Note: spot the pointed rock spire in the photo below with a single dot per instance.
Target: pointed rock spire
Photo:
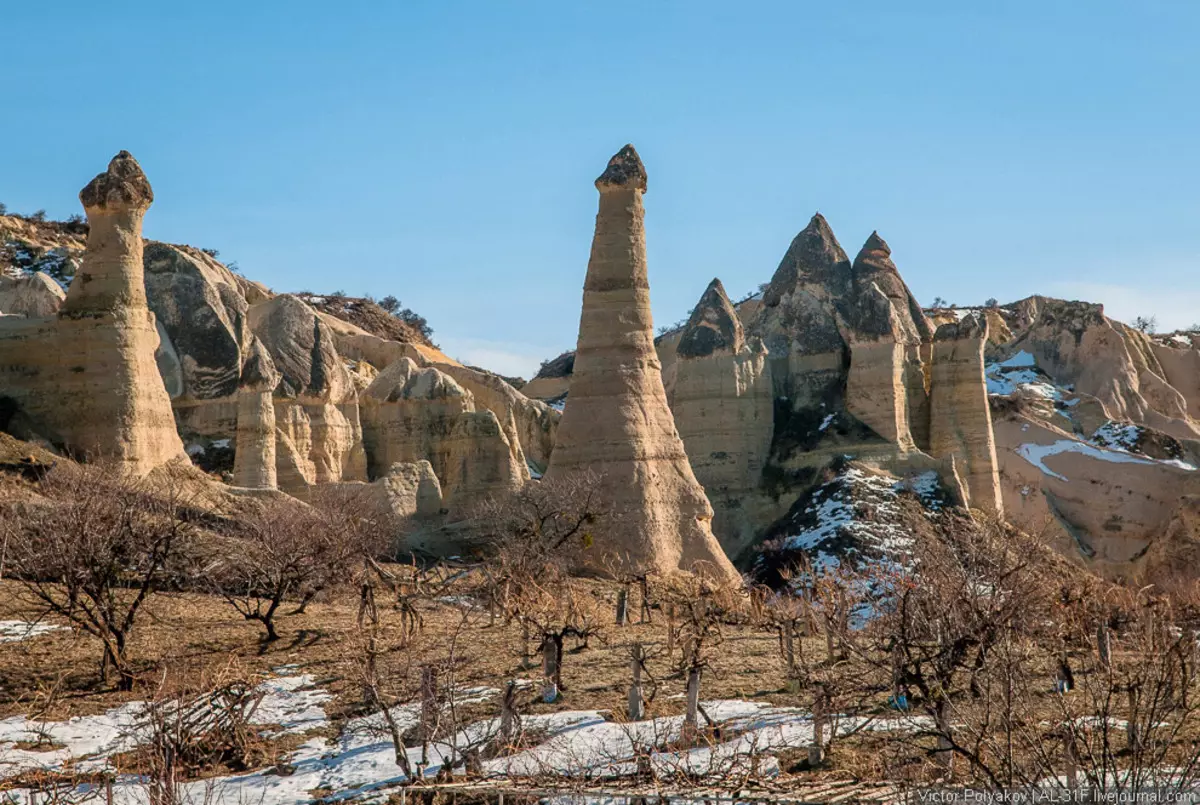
(616, 421)
(713, 326)
(875, 255)
(625, 169)
(814, 256)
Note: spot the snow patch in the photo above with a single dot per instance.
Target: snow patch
(12, 631)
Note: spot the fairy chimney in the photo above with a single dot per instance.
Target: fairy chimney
(616, 421)
(112, 398)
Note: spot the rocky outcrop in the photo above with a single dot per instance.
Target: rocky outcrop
(960, 418)
(412, 413)
(1077, 345)
(318, 431)
(88, 377)
(35, 296)
(889, 339)
(255, 452)
(617, 422)
(798, 322)
(723, 405)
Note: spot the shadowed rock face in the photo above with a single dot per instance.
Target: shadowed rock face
(616, 421)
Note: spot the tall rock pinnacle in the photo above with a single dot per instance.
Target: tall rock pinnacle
(113, 400)
(616, 421)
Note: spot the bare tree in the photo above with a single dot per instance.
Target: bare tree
(285, 550)
(98, 546)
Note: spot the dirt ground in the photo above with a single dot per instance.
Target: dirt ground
(59, 671)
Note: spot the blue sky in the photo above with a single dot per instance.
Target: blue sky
(444, 152)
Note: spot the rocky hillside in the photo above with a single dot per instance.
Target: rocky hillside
(1062, 420)
(266, 391)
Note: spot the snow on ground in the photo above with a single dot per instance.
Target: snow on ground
(1020, 373)
(360, 762)
(12, 631)
(1036, 454)
(832, 526)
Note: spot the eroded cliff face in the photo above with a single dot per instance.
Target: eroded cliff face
(616, 422)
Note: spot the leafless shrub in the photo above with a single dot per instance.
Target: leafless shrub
(97, 548)
(288, 551)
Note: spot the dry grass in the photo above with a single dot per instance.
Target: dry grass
(58, 669)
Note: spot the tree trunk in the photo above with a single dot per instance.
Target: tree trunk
(1104, 644)
(1070, 760)
(646, 615)
(637, 709)
(623, 605)
(508, 714)
(944, 756)
(1131, 726)
(691, 719)
(789, 655)
(670, 630)
(429, 703)
(816, 750)
(549, 669)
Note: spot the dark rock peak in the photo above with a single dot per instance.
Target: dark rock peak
(815, 256)
(122, 186)
(874, 255)
(625, 169)
(713, 326)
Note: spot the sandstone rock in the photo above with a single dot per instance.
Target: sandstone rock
(90, 376)
(960, 418)
(35, 296)
(1077, 345)
(798, 323)
(723, 406)
(617, 421)
(413, 490)
(318, 430)
(905, 325)
(412, 413)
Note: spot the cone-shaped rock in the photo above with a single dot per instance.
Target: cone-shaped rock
(723, 404)
(874, 265)
(798, 322)
(616, 422)
(713, 326)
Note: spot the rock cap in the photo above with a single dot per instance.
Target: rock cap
(122, 187)
(625, 169)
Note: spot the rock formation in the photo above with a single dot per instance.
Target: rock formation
(318, 431)
(411, 413)
(255, 457)
(36, 296)
(617, 422)
(960, 419)
(798, 322)
(889, 341)
(723, 405)
(88, 378)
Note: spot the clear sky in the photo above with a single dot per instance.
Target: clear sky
(444, 151)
